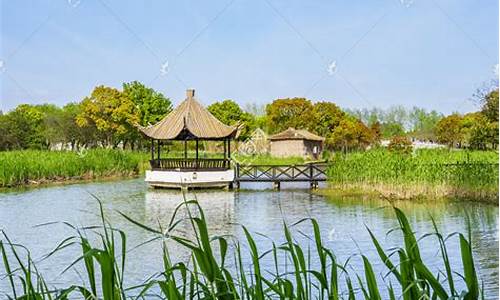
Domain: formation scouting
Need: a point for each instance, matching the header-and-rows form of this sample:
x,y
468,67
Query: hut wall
x,y
301,148
288,148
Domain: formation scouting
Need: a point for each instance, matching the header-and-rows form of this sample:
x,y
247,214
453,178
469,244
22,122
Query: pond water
x,y
342,221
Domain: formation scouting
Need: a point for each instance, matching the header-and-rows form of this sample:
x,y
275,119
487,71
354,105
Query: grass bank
x,y
224,267
27,167
424,173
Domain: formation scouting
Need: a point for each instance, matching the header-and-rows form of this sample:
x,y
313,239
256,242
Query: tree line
x,y
108,118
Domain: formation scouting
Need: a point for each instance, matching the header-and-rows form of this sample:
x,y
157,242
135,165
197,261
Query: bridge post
x,y
236,181
276,185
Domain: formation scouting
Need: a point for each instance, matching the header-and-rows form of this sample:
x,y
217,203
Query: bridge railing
x,y
311,172
212,164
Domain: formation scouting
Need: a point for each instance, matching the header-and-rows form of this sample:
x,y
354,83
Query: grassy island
x,y
38,166
423,173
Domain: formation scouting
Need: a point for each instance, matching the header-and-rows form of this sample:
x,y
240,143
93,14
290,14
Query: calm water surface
x,y
341,220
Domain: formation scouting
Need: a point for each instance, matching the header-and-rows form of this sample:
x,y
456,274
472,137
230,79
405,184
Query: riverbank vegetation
x,y
37,166
223,267
421,173
108,119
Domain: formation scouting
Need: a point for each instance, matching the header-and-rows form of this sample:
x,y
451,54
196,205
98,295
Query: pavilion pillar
x,y
229,149
196,154
152,149
225,155
159,150
185,149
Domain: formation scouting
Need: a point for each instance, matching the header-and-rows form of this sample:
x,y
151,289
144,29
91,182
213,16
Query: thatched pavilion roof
x,y
296,134
189,120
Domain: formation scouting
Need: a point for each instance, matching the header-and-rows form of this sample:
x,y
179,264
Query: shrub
x,y
400,144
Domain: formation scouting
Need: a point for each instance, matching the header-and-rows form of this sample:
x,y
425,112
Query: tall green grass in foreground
x,y
471,174
216,269
29,166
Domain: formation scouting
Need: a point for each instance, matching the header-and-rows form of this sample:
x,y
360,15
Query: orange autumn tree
x,y
350,134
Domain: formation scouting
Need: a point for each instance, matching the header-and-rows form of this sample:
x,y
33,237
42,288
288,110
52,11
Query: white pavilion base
x,y
190,179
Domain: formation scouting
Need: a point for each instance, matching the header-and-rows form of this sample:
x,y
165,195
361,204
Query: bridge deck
x,y
311,172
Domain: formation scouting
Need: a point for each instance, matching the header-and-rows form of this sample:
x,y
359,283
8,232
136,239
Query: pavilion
x,y
190,121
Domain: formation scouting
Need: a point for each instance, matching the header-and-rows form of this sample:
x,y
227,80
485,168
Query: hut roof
x,y
296,134
189,120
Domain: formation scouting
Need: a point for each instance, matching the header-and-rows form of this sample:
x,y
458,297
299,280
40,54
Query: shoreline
x,y
411,192
386,191
42,183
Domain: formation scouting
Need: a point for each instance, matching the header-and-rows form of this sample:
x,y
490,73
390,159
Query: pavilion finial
x,y
190,93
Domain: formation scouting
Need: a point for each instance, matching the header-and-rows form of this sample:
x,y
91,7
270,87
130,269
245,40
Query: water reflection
x,y
342,220
218,207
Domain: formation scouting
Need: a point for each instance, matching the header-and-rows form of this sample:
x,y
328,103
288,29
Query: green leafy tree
x,y
152,106
490,106
325,116
25,124
75,135
396,115
51,127
230,113
482,134
422,123
7,139
290,112
390,130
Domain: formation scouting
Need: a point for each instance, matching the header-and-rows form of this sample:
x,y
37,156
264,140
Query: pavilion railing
x,y
190,164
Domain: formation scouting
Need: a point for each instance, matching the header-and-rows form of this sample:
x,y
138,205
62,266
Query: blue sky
x,y
429,53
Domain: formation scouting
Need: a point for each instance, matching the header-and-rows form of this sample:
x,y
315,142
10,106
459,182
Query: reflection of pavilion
x,y
218,207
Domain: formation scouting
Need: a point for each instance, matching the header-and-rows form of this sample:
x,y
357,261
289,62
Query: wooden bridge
x,y
310,172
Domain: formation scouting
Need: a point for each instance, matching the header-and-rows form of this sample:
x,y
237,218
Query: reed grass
x,y
217,268
468,174
34,166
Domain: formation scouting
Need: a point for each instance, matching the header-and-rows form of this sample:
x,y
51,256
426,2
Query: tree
x,y
112,113
350,134
490,106
8,140
51,127
24,125
396,115
230,113
392,129
483,133
368,116
73,134
448,130
422,123
290,112
152,106
376,129
325,116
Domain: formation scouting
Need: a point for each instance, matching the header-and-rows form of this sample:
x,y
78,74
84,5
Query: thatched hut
x,y
296,142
